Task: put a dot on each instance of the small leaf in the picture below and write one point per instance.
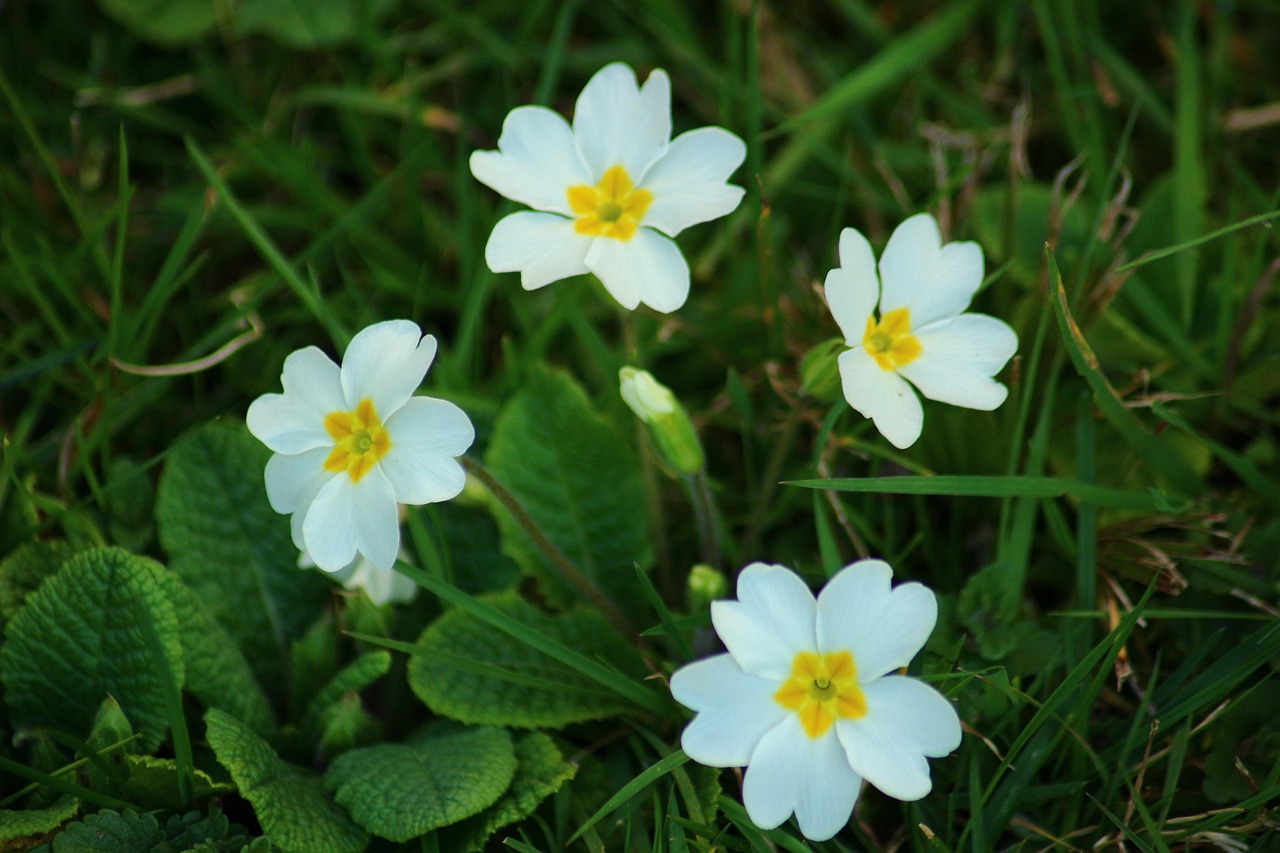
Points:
(153, 783)
(232, 549)
(290, 803)
(26, 824)
(577, 477)
(540, 773)
(400, 791)
(110, 832)
(87, 632)
(469, 672)
(352, 678)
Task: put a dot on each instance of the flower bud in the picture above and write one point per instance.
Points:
(705, 586)
(668, 423)
(819, 372)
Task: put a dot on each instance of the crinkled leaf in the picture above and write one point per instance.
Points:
(577, 477)
(315, 23)
(153, 783)
(352, 678)
(24, 569)
(110, 832)
(101, 625)
(472, 673)
(166, 22)
(218, 675)
(232, 550)
(28, 823)
(290, 803)
(540, 772)
(400, 791)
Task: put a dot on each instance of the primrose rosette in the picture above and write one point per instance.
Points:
(806, 698)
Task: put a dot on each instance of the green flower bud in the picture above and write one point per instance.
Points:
(819, 373)
(705, 586)
(668, 423)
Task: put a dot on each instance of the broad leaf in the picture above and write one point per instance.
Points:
(232, 550)
(472, 673)
(290, 803)
(110, 832)
(102, 625)
(401, 791)
(27, 824)
(577, 477)
(153, 783)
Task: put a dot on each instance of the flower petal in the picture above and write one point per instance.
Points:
(881, 395)
(959, 357)
(426, 434)
(293, 481)
(906, 263)
(382, 586)
(536, 162)
(853, 287)
(734, 708)
(286, 424)
(949, 285)
(346, 518)
(772, 620)
(313, 378)
(647, 268)
(883, 628)
(616, 123)
(790, 771)
(688, 182)
(385, 363)
(542, 247)
(906, 721)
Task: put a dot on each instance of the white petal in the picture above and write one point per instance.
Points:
(426, 434)
(688, 182)
(792, 772)
(385, 363)
(346, 518)
(959, 356)
(382, 586)
(542, 247)
(949, 284)
(293, 479)
(906, 720)
(616, 123)
(734, 708)
(647, 268)
(853, 287)
(772, 620)
(536, 162)
(286, 424)
(906, 263)
(881, 395)
(884, 629)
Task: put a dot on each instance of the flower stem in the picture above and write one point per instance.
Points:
(704, 512)
(568, 570)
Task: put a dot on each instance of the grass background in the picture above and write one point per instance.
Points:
(1110, 632)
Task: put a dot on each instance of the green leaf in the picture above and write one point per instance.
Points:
(153, 783)
(165, 22)
(24, 569)
(577, 477)
(290, 803)
(25, 824)
(476, 562)
(315, 23)
(218, 675)
(469, 672)
(400, 791)
(110, 832)
(89, 631)
(540, 772)
(991, 487)
(232, 549)
(352, 678)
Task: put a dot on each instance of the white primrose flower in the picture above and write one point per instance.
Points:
(610, 192)
(353, 442)
(806, 698)
(382, 586)
(921, 336)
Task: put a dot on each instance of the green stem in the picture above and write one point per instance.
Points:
(704, 512)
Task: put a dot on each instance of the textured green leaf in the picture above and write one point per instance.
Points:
(88, 631)
(476, 562)
(24, 569)
(232, 550)
(352, 678)
(577, 477)
(290, 803)
(540, 773)
(469, 672)
(110, 832)
(166, 22)
(218, 675)
(400, 791)
(153, 783)
(316, 23)
(29, 823)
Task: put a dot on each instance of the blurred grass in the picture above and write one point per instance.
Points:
(156, 203)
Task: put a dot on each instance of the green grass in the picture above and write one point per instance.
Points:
(1104, 544)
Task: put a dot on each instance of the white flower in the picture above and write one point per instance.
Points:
(805, 701)
(353, 442)
(382, 586)
(921, 335)
(609, 193)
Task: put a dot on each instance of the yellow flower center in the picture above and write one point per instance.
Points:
(359, 440)
(890, 341)
(612, 208)
(821, 689)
